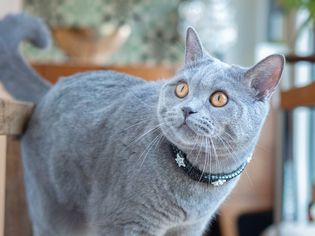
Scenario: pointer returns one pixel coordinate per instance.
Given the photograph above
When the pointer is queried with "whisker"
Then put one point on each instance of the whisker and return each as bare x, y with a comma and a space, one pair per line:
142, 101
234, 157
147, 149
209, 155
257, 144
249, 179
144, 134
139, 122
202, 140
204, 161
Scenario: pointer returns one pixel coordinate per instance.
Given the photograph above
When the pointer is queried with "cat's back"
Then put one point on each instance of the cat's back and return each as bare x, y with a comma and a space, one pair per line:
97, 87
83, 102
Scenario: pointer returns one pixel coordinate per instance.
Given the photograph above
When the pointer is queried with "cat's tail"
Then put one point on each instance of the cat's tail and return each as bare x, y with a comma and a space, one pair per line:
19, 79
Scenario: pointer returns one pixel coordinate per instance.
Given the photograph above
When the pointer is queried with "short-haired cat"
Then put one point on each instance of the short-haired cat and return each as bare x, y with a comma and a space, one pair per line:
106, 153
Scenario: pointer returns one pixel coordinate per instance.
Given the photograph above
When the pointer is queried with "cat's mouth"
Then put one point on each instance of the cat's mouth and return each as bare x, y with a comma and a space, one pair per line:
187, 128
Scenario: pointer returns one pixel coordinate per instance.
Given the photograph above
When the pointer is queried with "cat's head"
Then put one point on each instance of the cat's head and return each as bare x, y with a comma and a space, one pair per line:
213, 107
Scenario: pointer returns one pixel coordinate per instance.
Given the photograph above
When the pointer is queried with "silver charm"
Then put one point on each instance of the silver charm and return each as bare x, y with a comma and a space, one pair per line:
180, 160
218, 182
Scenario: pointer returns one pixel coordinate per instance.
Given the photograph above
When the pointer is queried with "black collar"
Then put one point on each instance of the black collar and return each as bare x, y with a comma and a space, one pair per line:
197, 175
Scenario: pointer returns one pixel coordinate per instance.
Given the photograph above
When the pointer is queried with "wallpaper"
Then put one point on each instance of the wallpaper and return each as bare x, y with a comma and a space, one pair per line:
154, 34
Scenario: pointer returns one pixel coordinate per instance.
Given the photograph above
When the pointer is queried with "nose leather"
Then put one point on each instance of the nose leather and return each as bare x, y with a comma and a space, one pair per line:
187, 111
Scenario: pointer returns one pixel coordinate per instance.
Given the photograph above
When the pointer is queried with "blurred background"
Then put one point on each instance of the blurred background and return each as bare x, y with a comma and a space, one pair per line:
276, 196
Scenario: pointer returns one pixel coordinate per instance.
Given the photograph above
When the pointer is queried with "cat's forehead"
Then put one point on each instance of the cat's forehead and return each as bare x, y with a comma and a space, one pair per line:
211, 72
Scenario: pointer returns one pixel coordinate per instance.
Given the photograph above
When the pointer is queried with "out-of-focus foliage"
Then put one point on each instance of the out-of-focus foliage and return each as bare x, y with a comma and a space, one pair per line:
295, 5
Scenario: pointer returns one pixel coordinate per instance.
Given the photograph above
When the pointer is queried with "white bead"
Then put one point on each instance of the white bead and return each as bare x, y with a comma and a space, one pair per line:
218, 182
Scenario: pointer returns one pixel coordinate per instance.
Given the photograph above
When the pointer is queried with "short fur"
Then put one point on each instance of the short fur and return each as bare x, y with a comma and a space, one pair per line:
96, 153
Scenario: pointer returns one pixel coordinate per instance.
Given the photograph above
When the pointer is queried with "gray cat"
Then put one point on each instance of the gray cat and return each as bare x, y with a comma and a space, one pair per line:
106, 153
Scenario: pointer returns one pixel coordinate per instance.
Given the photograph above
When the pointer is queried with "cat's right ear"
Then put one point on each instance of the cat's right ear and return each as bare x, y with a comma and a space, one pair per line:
265, 75
194, 50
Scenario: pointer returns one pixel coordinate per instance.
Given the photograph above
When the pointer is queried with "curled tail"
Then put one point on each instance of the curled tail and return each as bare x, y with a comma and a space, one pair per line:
19, 79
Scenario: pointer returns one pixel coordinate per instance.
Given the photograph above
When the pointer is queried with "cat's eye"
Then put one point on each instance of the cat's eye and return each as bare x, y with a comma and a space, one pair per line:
182, 89
219, 99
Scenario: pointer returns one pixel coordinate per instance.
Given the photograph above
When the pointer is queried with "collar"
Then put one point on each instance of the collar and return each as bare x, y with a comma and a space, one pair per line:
209, 178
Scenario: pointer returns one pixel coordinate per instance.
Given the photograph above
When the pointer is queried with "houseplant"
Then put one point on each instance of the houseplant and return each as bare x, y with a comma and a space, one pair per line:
295, 5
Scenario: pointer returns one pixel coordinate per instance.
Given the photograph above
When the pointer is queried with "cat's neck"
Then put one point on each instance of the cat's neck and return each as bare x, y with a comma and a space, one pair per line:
214, 161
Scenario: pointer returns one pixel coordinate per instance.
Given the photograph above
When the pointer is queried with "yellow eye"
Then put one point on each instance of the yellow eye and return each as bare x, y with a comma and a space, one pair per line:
219, 99
182, 89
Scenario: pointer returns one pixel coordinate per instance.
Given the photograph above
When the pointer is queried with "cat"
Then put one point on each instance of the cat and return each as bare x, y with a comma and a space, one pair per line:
106, 153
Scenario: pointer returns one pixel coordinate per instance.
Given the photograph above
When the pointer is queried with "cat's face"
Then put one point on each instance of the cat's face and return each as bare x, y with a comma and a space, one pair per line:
212, 105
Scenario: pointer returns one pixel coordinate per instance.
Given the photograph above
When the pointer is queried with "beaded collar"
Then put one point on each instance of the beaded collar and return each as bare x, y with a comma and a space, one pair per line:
197, 175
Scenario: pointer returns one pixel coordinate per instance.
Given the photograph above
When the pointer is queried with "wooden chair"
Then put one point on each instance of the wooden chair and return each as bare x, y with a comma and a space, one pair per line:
291, 99
13, 117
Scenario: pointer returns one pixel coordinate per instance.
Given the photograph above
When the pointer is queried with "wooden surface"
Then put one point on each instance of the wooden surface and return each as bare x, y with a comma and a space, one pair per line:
13, 116
16, 216
3, 150
297, 97
295, 58
52, 72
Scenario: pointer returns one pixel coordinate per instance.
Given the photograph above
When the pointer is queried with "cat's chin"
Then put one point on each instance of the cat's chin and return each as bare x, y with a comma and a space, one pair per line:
186, 140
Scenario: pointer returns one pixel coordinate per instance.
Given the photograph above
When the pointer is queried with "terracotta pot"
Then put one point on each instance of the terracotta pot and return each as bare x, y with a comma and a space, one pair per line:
85, 45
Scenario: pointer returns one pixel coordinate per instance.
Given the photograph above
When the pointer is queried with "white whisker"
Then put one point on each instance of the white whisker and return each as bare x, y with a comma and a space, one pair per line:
147, 149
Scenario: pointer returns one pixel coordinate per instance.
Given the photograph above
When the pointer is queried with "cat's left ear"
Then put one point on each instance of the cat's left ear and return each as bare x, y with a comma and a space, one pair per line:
193, 51
265, 75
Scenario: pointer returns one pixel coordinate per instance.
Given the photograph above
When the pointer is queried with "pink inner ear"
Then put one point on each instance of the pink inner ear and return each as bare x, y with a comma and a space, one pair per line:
269, 84
194, 49
265, 76
274, 79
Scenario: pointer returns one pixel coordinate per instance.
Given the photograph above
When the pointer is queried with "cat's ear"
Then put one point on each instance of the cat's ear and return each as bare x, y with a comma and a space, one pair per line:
265, 75
193, 51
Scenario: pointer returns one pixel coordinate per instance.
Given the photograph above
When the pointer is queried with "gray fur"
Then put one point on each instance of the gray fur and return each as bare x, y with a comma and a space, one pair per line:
17, 77
97, 157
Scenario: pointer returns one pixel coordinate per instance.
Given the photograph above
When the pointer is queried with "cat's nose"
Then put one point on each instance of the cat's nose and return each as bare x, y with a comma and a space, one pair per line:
187, 111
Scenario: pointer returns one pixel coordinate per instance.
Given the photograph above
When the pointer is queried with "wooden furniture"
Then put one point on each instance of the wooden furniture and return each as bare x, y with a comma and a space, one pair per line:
52, 72
292, 99
302, 96
14, 218
298, 97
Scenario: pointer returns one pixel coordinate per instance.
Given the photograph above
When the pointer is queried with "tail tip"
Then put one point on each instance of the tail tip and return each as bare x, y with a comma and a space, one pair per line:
30, 28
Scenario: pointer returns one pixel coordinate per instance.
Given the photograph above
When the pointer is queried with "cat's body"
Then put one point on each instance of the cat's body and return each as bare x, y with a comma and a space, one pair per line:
141, 190
97, 151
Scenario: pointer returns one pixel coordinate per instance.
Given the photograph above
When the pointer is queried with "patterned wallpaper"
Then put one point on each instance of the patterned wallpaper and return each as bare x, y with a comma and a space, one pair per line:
154, 36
